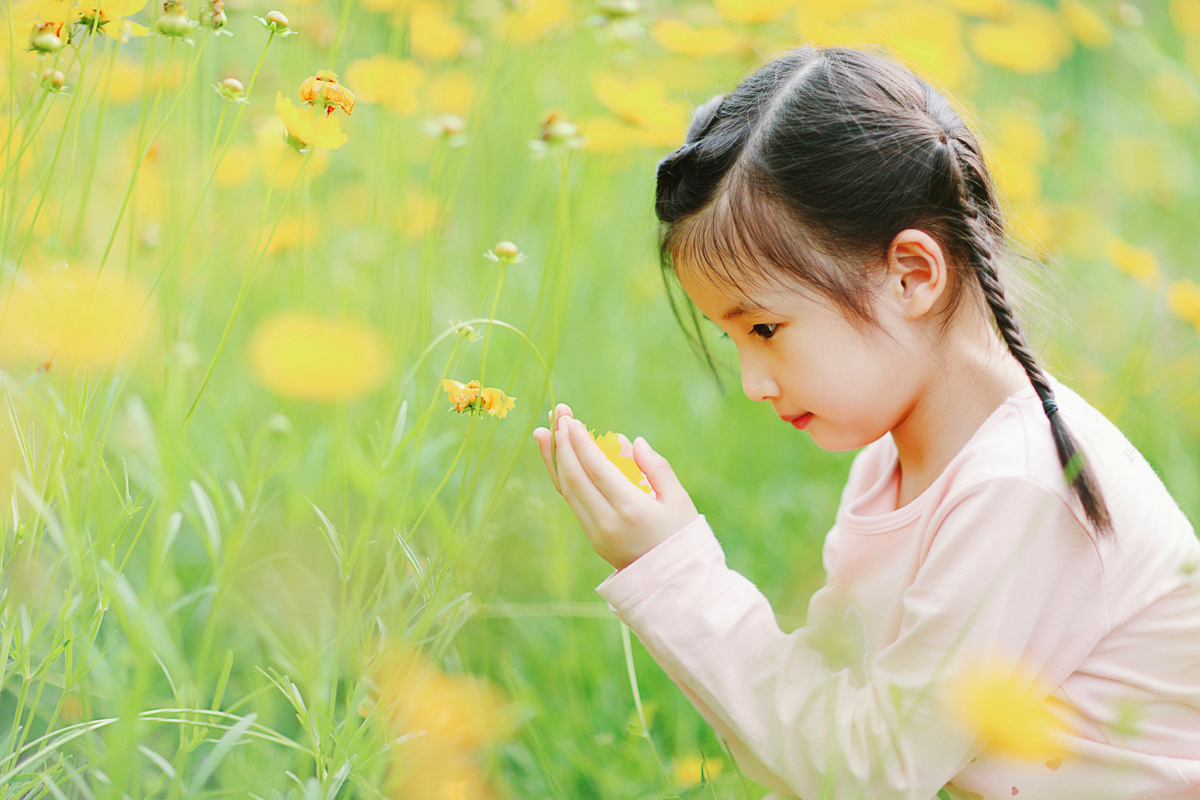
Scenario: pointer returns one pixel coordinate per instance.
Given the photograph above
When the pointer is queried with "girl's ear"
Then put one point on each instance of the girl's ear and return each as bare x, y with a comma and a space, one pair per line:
917, 273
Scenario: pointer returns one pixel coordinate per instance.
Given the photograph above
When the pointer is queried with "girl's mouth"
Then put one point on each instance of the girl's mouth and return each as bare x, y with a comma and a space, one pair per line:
800, 422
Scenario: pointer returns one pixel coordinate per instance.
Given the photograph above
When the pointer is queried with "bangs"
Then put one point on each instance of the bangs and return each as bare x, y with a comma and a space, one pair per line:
747, 238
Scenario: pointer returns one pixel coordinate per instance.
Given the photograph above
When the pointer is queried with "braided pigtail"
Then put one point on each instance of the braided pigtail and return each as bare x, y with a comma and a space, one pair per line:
981, 231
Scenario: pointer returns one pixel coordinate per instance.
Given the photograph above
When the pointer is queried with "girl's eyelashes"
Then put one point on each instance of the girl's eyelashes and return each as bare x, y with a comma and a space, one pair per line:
764, 330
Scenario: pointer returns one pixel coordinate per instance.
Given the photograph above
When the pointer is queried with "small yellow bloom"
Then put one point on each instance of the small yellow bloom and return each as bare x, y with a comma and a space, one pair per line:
432, 34
388, 80
462, 395
496, 402
691, 770
1183, 298
1174, 96
1186, 16
324, 91
1085, 23
678, 36
621, 456
305, 130
1029, 38
298, 354
752, 11
530, 20
109, 16
1004, 707
1136, 262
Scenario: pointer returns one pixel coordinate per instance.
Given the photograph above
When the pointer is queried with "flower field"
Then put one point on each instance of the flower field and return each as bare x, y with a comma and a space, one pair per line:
284, 291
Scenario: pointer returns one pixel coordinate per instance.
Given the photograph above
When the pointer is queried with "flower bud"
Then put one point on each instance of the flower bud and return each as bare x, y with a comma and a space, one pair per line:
216, 18
276, 21
52, 79
174, 20
45, 38
505, 250
231, 89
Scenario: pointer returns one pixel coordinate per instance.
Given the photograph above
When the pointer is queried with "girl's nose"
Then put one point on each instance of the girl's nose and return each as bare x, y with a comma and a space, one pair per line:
757, 382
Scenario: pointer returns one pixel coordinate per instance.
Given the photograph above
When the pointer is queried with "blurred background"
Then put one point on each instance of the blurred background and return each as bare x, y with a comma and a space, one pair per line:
249, 548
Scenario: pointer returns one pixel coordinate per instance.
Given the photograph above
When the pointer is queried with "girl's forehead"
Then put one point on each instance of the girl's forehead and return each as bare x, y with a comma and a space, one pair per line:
728, 296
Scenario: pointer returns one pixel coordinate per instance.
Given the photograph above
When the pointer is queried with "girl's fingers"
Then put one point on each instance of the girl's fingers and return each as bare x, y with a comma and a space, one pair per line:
545, 441
573, 479
615, 487
658, 470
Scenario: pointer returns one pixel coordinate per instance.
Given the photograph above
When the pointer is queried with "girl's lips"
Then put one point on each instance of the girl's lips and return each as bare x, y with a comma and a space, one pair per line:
800, 422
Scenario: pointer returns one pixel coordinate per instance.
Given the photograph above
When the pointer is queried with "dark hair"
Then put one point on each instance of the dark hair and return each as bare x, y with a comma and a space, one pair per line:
810, 168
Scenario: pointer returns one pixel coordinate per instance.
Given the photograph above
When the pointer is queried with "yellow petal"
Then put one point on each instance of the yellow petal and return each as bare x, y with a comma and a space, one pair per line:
1183, 298
680, 37
1174, 96
1085, 23
752, 11
298, 354
432, 33
1136, 262
1030, 38
1002, 705
610, 445
1186, 16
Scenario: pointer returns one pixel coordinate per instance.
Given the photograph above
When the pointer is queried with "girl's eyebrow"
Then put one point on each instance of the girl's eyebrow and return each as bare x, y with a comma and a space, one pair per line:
741, 310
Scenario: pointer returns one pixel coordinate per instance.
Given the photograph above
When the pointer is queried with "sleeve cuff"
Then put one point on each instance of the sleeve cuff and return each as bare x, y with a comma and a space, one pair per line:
688, 547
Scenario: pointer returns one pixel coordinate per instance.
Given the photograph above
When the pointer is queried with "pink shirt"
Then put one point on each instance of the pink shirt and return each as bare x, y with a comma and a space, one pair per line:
992, 562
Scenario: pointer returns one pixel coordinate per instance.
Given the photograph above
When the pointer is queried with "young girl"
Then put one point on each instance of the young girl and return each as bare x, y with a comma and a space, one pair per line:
834, 217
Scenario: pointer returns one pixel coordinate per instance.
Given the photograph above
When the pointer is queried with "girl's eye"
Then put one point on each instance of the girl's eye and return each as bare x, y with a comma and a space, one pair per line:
764, 330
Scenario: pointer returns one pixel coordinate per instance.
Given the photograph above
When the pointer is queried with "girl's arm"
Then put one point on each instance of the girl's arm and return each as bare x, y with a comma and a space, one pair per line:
1010, 578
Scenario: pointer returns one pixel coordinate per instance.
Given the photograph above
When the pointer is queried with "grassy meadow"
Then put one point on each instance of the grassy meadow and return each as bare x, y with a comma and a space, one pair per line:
248, 548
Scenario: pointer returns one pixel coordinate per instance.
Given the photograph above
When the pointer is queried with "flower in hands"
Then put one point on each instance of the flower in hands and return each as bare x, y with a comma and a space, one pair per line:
621, 455
621, 520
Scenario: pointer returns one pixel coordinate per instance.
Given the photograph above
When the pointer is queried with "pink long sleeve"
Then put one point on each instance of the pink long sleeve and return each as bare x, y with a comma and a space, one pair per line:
988, 567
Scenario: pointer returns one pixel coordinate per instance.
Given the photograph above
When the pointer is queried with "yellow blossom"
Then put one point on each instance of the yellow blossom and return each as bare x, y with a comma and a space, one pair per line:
462, 395
689, 40
432, 34
691, 770
530, 20
324, 91
607, 135
298, 354
621, 455
1174, 96
1186, 16
1085, 23
496, 402
1029, 38
752, 11
1183, 298
1001, 705
67, 317
388, 80
930, 37
642, 103
110, 14
1138, 263
305, 129
472, 398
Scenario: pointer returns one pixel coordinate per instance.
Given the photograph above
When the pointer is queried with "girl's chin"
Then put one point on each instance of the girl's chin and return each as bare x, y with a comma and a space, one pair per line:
834, 441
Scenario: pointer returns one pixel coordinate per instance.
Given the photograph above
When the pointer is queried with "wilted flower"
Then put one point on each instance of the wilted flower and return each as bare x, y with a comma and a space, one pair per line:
621, 455
324, 91
215, 17
505, 253
306, 130
297, 354
46, 37
472, 398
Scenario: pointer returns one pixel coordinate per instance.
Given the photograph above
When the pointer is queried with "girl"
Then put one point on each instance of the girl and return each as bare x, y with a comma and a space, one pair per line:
834, 217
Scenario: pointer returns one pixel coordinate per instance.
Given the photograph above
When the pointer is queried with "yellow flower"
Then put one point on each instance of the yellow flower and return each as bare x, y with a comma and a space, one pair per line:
324, 90
1001, 705
642, 102
691, 770
930, 36
305, 130
752, 11
298, 354
1030, 38
496, 402
432, 34
65, 317
1085, 23
1186, 16
621, 455
471, 398
678, 36
530, 20
462, 395
1174, 96
389, 81
1136, 262
110, 13
1183, 298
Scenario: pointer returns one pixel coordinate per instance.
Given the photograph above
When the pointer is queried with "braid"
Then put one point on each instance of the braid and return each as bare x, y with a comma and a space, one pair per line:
982, 227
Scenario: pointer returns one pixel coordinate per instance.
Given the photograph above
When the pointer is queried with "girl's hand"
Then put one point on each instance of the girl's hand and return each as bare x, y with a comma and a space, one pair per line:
621, 521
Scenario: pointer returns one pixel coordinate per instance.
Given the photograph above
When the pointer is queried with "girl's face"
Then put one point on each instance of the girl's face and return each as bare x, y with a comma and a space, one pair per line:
845, 384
